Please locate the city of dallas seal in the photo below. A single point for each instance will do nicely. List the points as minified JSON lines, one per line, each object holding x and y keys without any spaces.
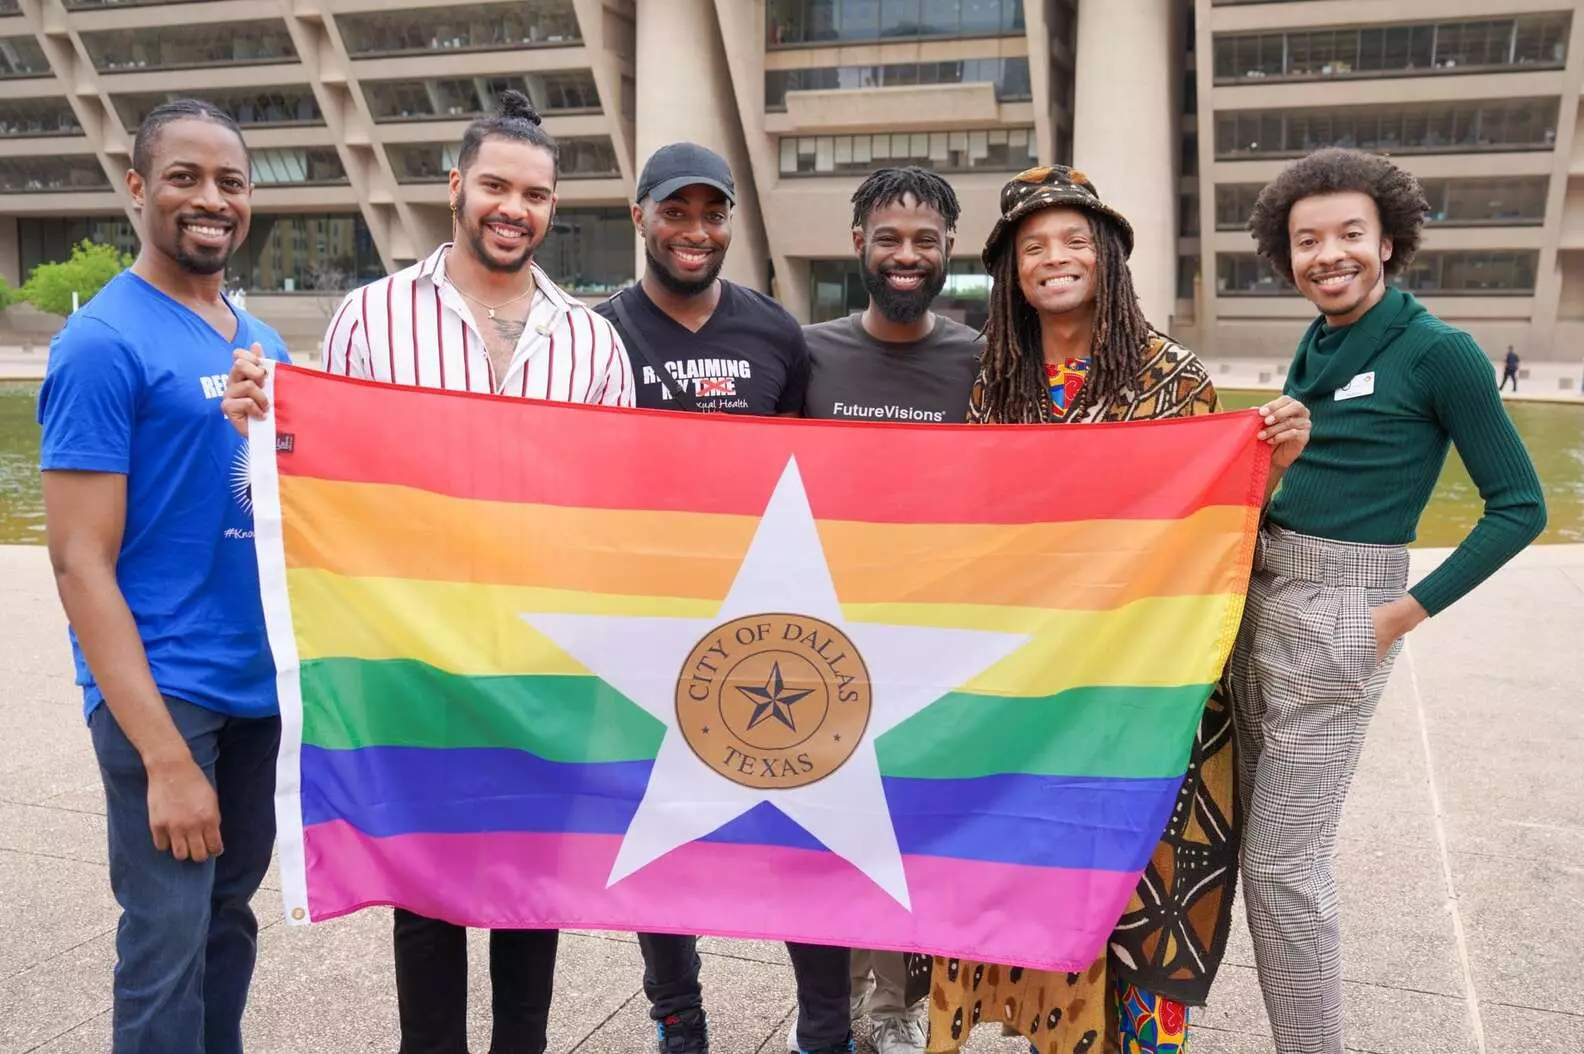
{"x":774,"y":701}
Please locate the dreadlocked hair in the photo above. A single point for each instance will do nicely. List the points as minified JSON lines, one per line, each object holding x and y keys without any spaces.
{"x":889,"y":186}
{"x":517,"y":120}
{"x":153,"y":126}
{"x":1013,"y":385}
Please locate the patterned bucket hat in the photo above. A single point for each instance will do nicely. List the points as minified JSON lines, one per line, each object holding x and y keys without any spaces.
{"x":1051,"y":186}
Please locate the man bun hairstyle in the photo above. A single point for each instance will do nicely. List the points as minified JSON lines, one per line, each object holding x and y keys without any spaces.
{"x":1333,"y":170}
{"x":149,"y":130}
{"x":516,"y":120}
{"x":889,"y":186}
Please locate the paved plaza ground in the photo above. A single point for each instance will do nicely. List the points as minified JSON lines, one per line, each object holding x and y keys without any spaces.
{"x":1462,"y":864}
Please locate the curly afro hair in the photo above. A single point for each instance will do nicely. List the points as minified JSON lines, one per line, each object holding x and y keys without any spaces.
{"x":1397,"y":195}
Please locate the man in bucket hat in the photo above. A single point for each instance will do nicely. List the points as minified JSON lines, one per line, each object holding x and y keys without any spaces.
{"x":1067,"y":343}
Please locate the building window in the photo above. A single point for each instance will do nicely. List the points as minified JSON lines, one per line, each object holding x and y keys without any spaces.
{"x":1520,"y":200}
{"x":10,"y":7}
{"x":41,"y":241}
{"x":317,"y":165}
{"x":22,"y":57}
{"x":469,"y":27}
{"x":1187,"y":276}
{"x":43,"y":175}
{"x":1188,"y":215}
{"x":1010,"y":77}
{"x":453,"y":99}
{"x":1488,"y":273}
{"x":1245,"y":274}
{"x":792,"y":22}
{"x":590,"y":250}
{"x":1421,"y":128}
{"x":1472,"y":273}
{"x":85,"y":5}
{"x":34,"y":117}
{"x":1235,"y":204}
{"x":1447,"y":47}
{"x":582,"y":157}
{"x":993,"y":150}
{"x":249,"y":107}
{"x":323,"y":253}
{"x":179,"y":46}
{"x":836,"y":290}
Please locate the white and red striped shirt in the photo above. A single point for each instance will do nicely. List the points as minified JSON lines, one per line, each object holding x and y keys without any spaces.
{"x":413,"y":327}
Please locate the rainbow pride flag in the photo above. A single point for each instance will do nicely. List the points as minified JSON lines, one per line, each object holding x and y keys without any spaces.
{"x":926,"y":688}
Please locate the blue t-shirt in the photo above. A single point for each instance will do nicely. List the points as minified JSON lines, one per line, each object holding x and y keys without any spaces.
{"x":133,"y":387}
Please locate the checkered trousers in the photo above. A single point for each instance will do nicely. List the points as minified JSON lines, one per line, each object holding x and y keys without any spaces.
{"x":1303,"y":681}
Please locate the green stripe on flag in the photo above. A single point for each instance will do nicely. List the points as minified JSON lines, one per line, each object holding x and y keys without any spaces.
{"x":349,"y":703}
{"x":1121,"y":732}
{"x":1134,"y":733}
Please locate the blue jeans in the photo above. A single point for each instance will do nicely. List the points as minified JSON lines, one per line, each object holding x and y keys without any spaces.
{"x":187,"y":938}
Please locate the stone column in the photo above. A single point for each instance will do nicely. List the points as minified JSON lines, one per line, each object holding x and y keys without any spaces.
{"x":685,"y":94}
{"x":1126,"y":135}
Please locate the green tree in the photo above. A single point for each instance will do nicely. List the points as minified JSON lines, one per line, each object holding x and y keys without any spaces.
{"x":90,"y":266}
{"x":8,"y":294}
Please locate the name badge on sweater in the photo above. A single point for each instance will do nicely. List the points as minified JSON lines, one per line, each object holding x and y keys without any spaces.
{"x":1359,"y":386}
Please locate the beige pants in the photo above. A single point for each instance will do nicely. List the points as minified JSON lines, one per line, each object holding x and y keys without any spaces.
{"x":890,"y":981}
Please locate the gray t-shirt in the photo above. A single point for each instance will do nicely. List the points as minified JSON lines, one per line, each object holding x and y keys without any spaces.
{"x":858,"y":378}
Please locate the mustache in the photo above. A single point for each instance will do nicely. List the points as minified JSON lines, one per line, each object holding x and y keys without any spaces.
{"x":207,"y":219}
{"x":502,"y":221}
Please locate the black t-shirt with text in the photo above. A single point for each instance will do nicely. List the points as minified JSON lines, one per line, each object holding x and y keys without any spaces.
{"x":749,"y":358}
{"x":856,"y":377}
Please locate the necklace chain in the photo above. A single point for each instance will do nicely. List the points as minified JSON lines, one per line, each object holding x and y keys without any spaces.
{"x":492,"y":308}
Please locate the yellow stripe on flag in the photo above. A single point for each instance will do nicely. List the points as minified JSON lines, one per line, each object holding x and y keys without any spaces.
{"x":478,"y":630}
{"x":384,"y":531}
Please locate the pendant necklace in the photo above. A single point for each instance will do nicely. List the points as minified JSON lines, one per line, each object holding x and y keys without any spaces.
{"x":487,"y":307}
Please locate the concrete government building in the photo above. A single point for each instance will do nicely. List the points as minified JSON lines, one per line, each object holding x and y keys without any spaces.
{"x":1178,"y":109}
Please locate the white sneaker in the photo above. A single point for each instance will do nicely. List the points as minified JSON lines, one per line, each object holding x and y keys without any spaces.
{"x":898,"y":1035}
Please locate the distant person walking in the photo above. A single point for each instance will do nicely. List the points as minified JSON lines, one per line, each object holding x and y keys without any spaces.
{"x":1510,"y":370}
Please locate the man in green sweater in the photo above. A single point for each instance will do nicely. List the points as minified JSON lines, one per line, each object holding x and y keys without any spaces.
{"x":1388,"y":386}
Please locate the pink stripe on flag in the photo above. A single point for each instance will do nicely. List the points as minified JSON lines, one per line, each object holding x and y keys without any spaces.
{"x":1001,"y":913}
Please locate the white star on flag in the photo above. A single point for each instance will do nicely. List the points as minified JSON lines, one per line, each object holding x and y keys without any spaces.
{"x":785,"y":570}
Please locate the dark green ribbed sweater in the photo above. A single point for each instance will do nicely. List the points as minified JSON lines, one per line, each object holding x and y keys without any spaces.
{"x":1373,"y":461}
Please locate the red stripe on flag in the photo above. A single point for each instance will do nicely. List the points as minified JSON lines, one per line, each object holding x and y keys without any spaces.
{"x":605,"y":457}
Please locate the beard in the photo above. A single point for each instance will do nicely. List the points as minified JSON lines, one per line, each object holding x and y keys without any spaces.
{"x":481,"y":253}
{"x":899,"y":306}
{"x":684,"y":286}
{"x":202,"y":260}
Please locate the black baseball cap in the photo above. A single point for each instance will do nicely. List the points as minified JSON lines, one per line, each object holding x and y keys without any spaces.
{"x":680,"y":165}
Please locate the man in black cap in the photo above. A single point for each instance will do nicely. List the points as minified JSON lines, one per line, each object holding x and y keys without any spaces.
{"x":698,"y":342}
{"x":702,"y":344}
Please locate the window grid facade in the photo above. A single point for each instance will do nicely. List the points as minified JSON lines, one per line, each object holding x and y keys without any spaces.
{"x":789,"y":23}
{"x":992,"y":150}
{"x":1428,"y":128}
{"x":1443,"y":273}
{"x":1009,"y":75}
{"x":1509,"y":202}
{"x":1525,"y":42}
{"x":470,"y":27}
{"x":189,"y":46}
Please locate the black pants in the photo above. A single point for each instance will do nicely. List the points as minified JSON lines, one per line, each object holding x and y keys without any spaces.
{"x":671,"y":981}
{"x":432,"y":988}
{"x":1509,"y":375}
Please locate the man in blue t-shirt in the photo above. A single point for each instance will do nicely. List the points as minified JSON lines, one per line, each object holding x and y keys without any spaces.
{"x":150,"y":533}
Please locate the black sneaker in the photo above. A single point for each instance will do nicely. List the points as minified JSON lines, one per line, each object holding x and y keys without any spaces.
{"x":845,"y":1047}
{"x":684,"y":1033}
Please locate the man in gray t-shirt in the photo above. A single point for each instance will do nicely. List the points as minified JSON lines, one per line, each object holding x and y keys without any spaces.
{"x":896,"y":360}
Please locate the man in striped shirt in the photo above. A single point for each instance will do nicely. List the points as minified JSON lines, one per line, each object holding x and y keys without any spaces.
{"x":477,"y":315}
